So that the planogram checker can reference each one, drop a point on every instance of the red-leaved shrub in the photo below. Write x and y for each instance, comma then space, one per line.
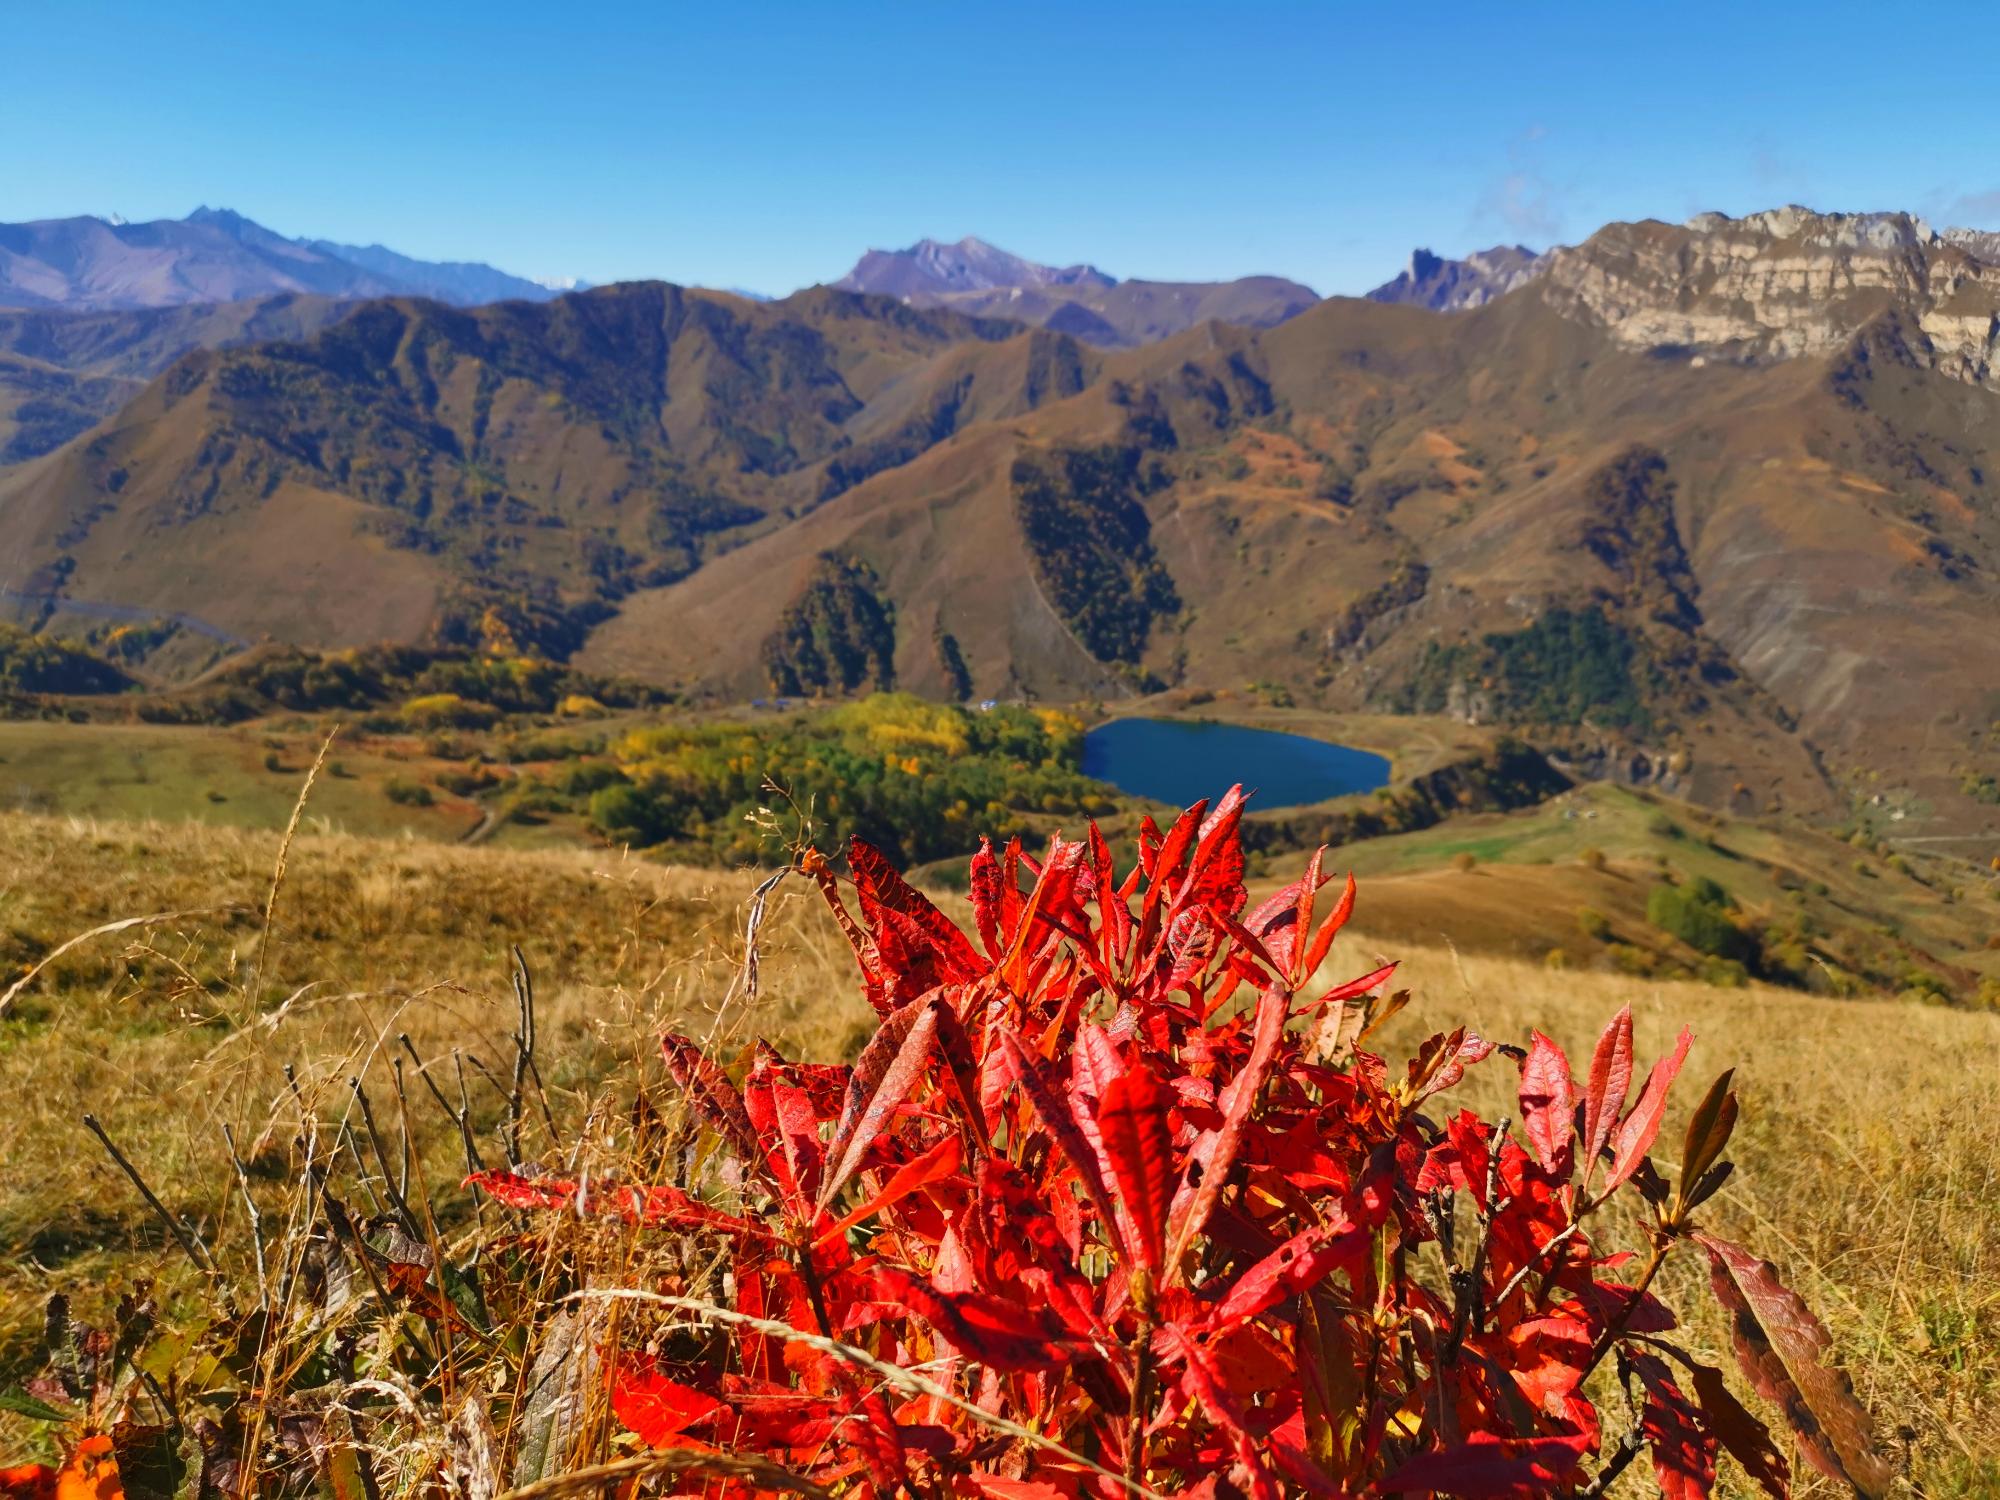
1116, 1202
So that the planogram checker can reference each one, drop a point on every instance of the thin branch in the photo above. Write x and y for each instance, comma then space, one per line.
256, 1219
456, 1116
396, 1199
196, 1251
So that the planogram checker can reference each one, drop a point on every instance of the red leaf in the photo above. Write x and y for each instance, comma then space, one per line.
713, 1098
1203, 1384
1747, 1439
991, 1330
1294, 1267
1323, 939
985, 891
781, 1110
1642, 1125
28, 1482
1215, 874
1460, 1160
1485, 1465
904, 919
940, 1161
661, 1205
1173, 849
1610, 1080
1059, 1123
1546, 1100
872, 1428
1018, 1489
655, 1407
1782, 1348
1355, 987
885, 1073
1215, 1154
1139, 1156
1683, 1449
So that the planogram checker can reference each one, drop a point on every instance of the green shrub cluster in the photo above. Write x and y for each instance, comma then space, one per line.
1568, 667
921, 780
1702, 915
1092, 544
390, 678
838, 636
43, 664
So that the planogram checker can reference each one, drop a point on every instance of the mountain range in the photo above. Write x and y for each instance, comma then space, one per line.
217, 255
974, 277
1706, 503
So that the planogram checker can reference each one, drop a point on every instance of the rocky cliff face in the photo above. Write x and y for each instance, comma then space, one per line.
1455, 285
1786, 283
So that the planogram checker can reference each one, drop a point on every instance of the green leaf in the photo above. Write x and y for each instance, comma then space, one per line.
21, 1404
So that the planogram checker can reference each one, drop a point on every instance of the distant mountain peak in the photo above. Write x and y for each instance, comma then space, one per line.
1445, 285
938, 268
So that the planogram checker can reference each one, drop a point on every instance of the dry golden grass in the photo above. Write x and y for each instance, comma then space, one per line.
1868, 1151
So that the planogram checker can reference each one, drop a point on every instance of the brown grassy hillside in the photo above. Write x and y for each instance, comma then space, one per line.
1764, 573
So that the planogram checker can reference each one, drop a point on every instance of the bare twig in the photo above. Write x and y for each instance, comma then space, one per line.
396, 1199
256, 1219
456, 1116
196, 1251
402, 1130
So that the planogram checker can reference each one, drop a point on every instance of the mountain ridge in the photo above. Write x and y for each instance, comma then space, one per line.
974, 277
91, 264
1758, 566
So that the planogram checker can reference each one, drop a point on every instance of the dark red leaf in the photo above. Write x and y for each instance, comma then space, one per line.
887, 1070
1747, 1439
1709, 1129
1216, 1153
1484, 1465
1060, 1123
925, 945
1682, 1447
713, 1098
989, 1329
1782, 1348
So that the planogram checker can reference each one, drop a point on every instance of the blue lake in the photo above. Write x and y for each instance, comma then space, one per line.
1181, 761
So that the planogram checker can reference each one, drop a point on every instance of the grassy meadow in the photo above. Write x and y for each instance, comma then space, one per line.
1868, 1154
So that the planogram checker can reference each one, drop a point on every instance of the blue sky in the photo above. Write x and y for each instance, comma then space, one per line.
766, 145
